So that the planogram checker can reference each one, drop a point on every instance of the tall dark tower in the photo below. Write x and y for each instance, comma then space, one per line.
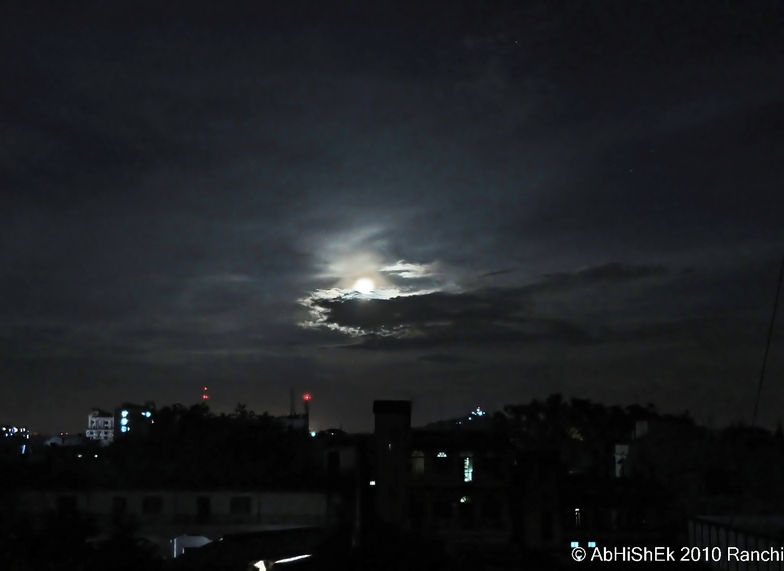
393, 437
306, 405
293, 407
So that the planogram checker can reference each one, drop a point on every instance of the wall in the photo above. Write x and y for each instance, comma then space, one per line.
753, 534
167, 514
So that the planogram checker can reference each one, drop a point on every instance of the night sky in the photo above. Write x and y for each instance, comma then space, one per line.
465, 205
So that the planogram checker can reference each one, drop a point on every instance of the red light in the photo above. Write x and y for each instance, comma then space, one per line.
306, 397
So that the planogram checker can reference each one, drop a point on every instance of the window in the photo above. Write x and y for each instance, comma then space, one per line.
491, 464
442, 462
418, 462
240, 505
468, 468
119, 504
417, 510
152, 505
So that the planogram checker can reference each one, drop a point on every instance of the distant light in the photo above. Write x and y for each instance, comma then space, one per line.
441, 455
24, 447
574, 544
372, 482
96, 455
124, 413
306, 396
591, 544
78, 455
313, 433
465, 500
260, 565
205, 388
124, 421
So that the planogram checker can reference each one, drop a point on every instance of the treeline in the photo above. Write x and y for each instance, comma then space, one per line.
195, 448
184, 448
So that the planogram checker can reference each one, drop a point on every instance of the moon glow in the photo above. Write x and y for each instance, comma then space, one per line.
364, 285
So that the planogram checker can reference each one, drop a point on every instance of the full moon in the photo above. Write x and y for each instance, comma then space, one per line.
364, 285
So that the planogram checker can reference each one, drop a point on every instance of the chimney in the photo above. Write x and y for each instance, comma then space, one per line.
392, 436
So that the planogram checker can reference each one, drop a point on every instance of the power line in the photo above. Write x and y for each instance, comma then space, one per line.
767, 346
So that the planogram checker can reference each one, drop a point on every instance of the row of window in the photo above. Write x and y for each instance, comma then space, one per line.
153, 505
442, 462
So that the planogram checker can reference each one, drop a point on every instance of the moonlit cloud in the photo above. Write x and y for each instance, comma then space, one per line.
410, 271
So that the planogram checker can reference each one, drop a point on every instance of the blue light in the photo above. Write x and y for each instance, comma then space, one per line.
575, 544
124, 421
591, 544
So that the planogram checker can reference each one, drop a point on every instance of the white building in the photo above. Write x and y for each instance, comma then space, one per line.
100, 427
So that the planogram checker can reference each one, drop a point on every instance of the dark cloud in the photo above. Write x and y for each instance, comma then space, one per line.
601, 181
441, 359
610, 272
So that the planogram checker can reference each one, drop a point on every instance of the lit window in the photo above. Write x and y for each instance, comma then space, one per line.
468, 469
418, 462
372, 482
